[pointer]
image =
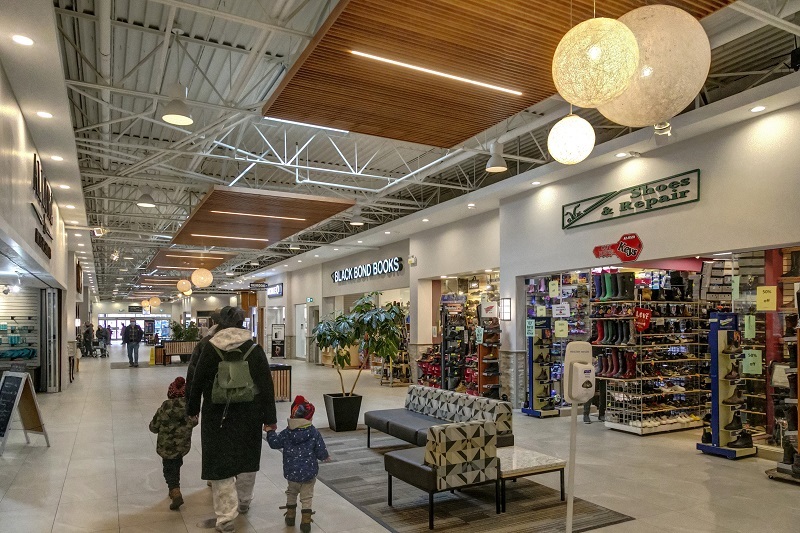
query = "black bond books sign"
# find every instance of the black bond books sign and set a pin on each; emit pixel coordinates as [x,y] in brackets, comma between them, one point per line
[381,267]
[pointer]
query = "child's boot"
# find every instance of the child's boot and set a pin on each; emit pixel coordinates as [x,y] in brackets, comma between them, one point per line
[176,497]
[290,514]
[305,520]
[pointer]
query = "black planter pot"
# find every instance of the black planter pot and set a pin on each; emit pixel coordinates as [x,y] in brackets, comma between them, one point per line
[342,411]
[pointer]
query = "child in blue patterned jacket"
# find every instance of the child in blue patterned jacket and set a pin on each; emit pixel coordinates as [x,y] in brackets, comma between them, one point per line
[302,447]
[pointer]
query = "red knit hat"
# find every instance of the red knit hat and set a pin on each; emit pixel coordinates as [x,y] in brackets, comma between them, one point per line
[177,389]
[302,408]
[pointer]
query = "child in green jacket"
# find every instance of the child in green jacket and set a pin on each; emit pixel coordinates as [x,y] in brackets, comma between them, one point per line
[174,430]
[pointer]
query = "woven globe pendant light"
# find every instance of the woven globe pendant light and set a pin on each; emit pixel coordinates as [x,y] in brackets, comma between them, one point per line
[202,277]
[571,140]
[187,293]
[184,285]
[155,301]
[594,62]
[674,60]
[145,303]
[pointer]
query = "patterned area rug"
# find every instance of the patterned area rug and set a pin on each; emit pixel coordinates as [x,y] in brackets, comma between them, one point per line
[357,474]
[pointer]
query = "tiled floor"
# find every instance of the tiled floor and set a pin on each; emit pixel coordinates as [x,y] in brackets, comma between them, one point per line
[102,473]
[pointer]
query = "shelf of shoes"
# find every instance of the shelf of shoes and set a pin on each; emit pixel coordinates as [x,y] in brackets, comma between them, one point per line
[429,368]
[571,288]
[455,345]
[488,359]
[657,378]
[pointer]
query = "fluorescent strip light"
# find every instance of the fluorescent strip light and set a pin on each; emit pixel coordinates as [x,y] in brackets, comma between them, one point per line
[306,124]
[176,268]
[436,73]
[195,256]
[723,253]
[226,237]
[259,216]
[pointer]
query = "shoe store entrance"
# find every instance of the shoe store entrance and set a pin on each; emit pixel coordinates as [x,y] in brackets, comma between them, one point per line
[465,353]
[706,343]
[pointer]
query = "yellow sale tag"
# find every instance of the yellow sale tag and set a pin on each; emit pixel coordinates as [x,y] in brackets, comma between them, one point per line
[554,290]
[767,298]
[561,328]
[541,310]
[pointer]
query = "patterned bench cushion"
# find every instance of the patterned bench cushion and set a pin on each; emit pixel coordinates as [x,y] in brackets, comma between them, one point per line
[462,454]
[459,407]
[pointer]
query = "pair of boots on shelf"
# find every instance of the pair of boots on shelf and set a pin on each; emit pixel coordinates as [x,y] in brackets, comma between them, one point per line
[614,333]
[617,286]
[620,364]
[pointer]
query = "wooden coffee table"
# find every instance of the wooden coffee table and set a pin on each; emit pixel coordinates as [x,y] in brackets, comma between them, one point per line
[517,462]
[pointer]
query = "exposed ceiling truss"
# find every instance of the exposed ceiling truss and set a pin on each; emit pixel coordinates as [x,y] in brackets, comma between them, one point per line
[121,57]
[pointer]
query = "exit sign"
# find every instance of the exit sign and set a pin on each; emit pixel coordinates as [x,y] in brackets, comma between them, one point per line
[309,300]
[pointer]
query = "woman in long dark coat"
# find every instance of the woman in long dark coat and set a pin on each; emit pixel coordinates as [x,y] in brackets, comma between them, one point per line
[231,445]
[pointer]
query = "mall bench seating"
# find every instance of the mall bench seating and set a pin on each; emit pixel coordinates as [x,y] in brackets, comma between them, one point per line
[428,406]
[455,456]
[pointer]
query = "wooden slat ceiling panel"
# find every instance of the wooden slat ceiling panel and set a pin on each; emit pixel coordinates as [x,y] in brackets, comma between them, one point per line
[307,210]
[509,44]
[171,257]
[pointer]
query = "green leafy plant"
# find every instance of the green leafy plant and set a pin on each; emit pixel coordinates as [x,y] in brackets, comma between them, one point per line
[378,330]
[184,333]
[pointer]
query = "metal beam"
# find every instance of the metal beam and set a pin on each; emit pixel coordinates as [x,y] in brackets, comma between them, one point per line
[763,16]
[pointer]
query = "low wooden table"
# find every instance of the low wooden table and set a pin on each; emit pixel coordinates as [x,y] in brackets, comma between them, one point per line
[517,462]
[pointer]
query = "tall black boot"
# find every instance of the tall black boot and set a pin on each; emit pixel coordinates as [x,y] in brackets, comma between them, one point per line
[788,451]
[614,292]
[792,385]
[794,270]
[796,465]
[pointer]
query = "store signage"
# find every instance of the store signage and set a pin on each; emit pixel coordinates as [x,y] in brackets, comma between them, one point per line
[42,190]
[41,243]
[659,194]
[554,291]
[309,300]
[766,298]
[478,335]
[134,308]
[641,318]
[752,363]
[560,328]
[275,291]
[530,327]
[367,270]
[627,248]
[561,310]
[259,285]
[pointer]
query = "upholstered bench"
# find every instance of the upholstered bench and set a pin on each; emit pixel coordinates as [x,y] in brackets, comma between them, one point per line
[455,456]
[427,406]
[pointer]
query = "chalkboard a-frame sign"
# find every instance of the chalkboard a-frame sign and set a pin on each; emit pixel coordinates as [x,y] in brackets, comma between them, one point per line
[16,392]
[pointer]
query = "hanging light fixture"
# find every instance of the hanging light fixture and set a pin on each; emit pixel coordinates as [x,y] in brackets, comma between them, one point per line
[202,277]
[146,198]
[145,303]
[187,293]
[115,255]
[155,301]
[176,111]
[184,285]
[594,62]
[674,60]
[357,219]
[571,140]
[496,162]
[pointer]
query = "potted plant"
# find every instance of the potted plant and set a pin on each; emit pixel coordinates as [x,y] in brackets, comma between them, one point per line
[377,330]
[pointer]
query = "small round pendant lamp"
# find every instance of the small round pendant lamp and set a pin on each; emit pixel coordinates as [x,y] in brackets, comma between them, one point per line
[202,277]
[184,285]
[674,60]
[155,301]
[145,303]
[571,140]
[187,293]
[594,62]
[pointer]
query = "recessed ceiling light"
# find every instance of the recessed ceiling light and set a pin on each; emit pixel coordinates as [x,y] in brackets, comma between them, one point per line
[72,222]
[123,269]
[425,220]
[69,206]
[443,277]
[757,109]
[435,73]
[64,187]
[227,237]
[360,242]
[21,39]
[536,183]
[77,234]
[56,158]
[470,206]
[120,278]
[229,274]
[195,256]
[387,232]
[299,260]
[258,216]
[316,255]
[81,252]
[723,253]
[80,244]
[488,270]
[44,114]
[286,265]
[622,154]
[335,249]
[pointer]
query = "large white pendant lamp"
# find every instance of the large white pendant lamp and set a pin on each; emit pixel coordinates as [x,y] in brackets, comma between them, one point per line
[496,162]
[176,112]
[594,62]
[202,277]
[571,140]
[184,285]
[674,60]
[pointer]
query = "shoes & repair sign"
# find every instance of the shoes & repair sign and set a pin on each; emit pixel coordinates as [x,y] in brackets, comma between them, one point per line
[626,249]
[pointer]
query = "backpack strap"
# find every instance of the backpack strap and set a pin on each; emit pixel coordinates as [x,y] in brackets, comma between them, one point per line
[252,347]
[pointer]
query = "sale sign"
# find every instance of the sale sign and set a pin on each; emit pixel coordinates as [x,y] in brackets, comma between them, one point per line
[641,318]
[627,248]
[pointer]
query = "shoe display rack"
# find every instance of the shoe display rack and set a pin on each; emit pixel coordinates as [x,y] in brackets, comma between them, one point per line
[488,360]
[724,433]
[788,467]
[455,344]
[546,352]
[429,368]
[657,379]
[540,402]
